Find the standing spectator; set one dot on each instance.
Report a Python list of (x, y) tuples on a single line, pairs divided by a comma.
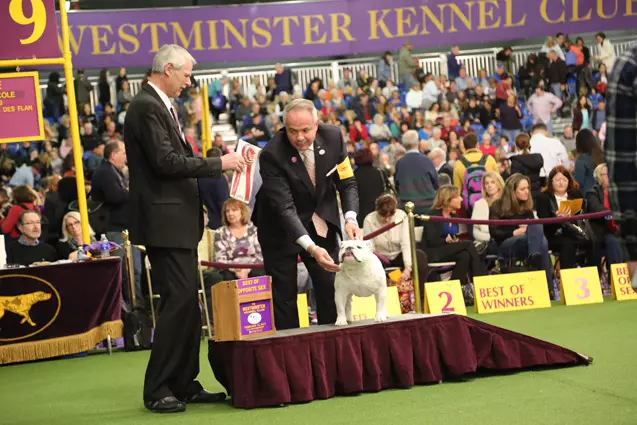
[(94, 159), (283, 79), (83, 89), (542, 105), (119, 81), (553, 152), (568, 139), (414, 97), (438, 156), (406, 64), (510, 115), (384, 69), (599, 116), (551, 46), (124, 95), (371, 182), (453, 67), (104, 88), (54, 100), (606, 51), (504, 57), (347, 85), (589, 157), (582, 115), (556, 74), (416, 178), (579, 41), (528, 164), (471, 156)]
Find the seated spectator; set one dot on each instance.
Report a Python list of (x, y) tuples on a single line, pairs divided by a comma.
[(365, 111), (561, 186), (371, 182), (358, 131), (416, 178), (589, 156), (605, 229), (27, 174), (471, 156), (94, 159), (24, 198), (438, 156), (440, 240), (492, 187), (435, 141), (236, 242), (568, 139), (28, 249), (527, 163), (599, 116), (487, 147), (379, 130), (394, 244), (433, 113), (68, 247), (520, 242)]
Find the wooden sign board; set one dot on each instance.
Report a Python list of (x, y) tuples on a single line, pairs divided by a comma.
[(511, 291), (620, 283), (243, 309), (444, 297), (580, 286)]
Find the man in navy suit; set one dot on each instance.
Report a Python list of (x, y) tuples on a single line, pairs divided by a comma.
[(297, 212)]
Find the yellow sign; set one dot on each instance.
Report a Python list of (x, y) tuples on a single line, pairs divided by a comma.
[(580, 286), (444, 297), (345, 169), (304, 314), (510, 292), (365, 308), (620, 283)]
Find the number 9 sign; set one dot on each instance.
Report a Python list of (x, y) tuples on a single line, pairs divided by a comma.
[(28, 29)]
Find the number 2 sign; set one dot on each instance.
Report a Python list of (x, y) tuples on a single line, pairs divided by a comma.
[(28, 29), (580, 286), (444, 297)]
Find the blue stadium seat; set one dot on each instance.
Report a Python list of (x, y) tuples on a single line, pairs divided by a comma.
[(382, 144)]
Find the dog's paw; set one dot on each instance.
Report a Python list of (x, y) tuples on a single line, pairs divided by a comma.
[(381, 316), (340, 321)]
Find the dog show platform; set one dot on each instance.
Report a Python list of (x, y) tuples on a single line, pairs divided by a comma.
[(319, 362)]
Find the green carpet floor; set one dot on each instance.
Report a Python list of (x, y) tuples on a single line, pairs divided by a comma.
[(107, 389)]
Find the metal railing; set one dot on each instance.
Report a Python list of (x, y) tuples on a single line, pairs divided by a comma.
[(436, 63)]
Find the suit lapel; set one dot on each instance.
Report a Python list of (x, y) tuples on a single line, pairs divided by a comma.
[(296, 162), (173, 124), (322, 166)]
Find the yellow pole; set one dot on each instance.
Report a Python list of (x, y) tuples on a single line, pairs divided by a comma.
[(409, 206), (206, 139), (75, 130), (13, 63)]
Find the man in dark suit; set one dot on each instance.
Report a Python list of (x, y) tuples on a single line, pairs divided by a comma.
[(109, 186), (297, 212), (166, 216)]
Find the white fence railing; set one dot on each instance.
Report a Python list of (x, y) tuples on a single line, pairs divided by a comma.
[(436, 63)]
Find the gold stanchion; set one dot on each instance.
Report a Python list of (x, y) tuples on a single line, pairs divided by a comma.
[(409, 206), (130, 267), (206, 137)]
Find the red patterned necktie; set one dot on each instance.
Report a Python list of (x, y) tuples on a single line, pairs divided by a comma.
[(319, 224)]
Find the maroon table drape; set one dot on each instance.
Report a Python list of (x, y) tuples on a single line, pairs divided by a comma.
[(320, 362), (59, 309)]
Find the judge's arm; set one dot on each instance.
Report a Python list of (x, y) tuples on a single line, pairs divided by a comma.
[(153, 134)]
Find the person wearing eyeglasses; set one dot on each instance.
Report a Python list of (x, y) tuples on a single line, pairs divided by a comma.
[(28, 249)]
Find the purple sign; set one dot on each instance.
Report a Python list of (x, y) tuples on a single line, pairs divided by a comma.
[(253, 285), (27, 29), (267, 32), (20, 107), (255, 317)]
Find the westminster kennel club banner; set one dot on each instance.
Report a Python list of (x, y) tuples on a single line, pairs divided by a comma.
[(57, 310), (296, 30)]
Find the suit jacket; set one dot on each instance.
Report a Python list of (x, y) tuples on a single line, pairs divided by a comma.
[(287, 199), (107, 186), (545, 210), (165, 207)]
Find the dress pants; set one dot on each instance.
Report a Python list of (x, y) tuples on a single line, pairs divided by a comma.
[(282, 266), (174, 359)]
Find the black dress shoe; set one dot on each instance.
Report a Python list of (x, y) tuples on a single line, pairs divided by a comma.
[(166, 405), (204, 396)]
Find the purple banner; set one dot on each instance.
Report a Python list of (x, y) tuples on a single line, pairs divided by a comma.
[(20, 107), (27, 29), (253, 285), (268, 32), (255, 317)]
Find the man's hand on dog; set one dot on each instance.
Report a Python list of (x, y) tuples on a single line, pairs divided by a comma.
[(323, 259), (353, 231)]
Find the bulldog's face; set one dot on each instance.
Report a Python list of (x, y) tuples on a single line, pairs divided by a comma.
[(354, 251)]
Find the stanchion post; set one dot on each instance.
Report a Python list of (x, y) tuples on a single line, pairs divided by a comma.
[(75, 129), (130, 267), (409, 206), (206, 142)]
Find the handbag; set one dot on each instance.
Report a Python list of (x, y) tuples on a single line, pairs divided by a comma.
[(574, 230)]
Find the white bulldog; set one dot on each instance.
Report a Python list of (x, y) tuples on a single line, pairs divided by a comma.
[(361, 274)]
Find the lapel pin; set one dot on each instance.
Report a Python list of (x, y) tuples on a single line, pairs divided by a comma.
[(322, 152), (294, 159)]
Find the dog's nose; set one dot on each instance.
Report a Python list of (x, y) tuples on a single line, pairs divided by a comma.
[(349, 248)]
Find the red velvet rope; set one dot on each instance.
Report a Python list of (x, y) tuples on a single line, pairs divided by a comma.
[(551, 220)]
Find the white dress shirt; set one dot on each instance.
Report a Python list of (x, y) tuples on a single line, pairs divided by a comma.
[(306, 241), (168, 103)]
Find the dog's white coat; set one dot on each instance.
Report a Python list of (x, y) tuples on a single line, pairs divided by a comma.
[(361, 274)]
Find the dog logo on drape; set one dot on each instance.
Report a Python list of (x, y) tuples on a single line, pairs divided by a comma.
[(21, 305)]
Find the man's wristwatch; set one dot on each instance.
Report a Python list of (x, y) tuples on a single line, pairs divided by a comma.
[(350, 219)]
